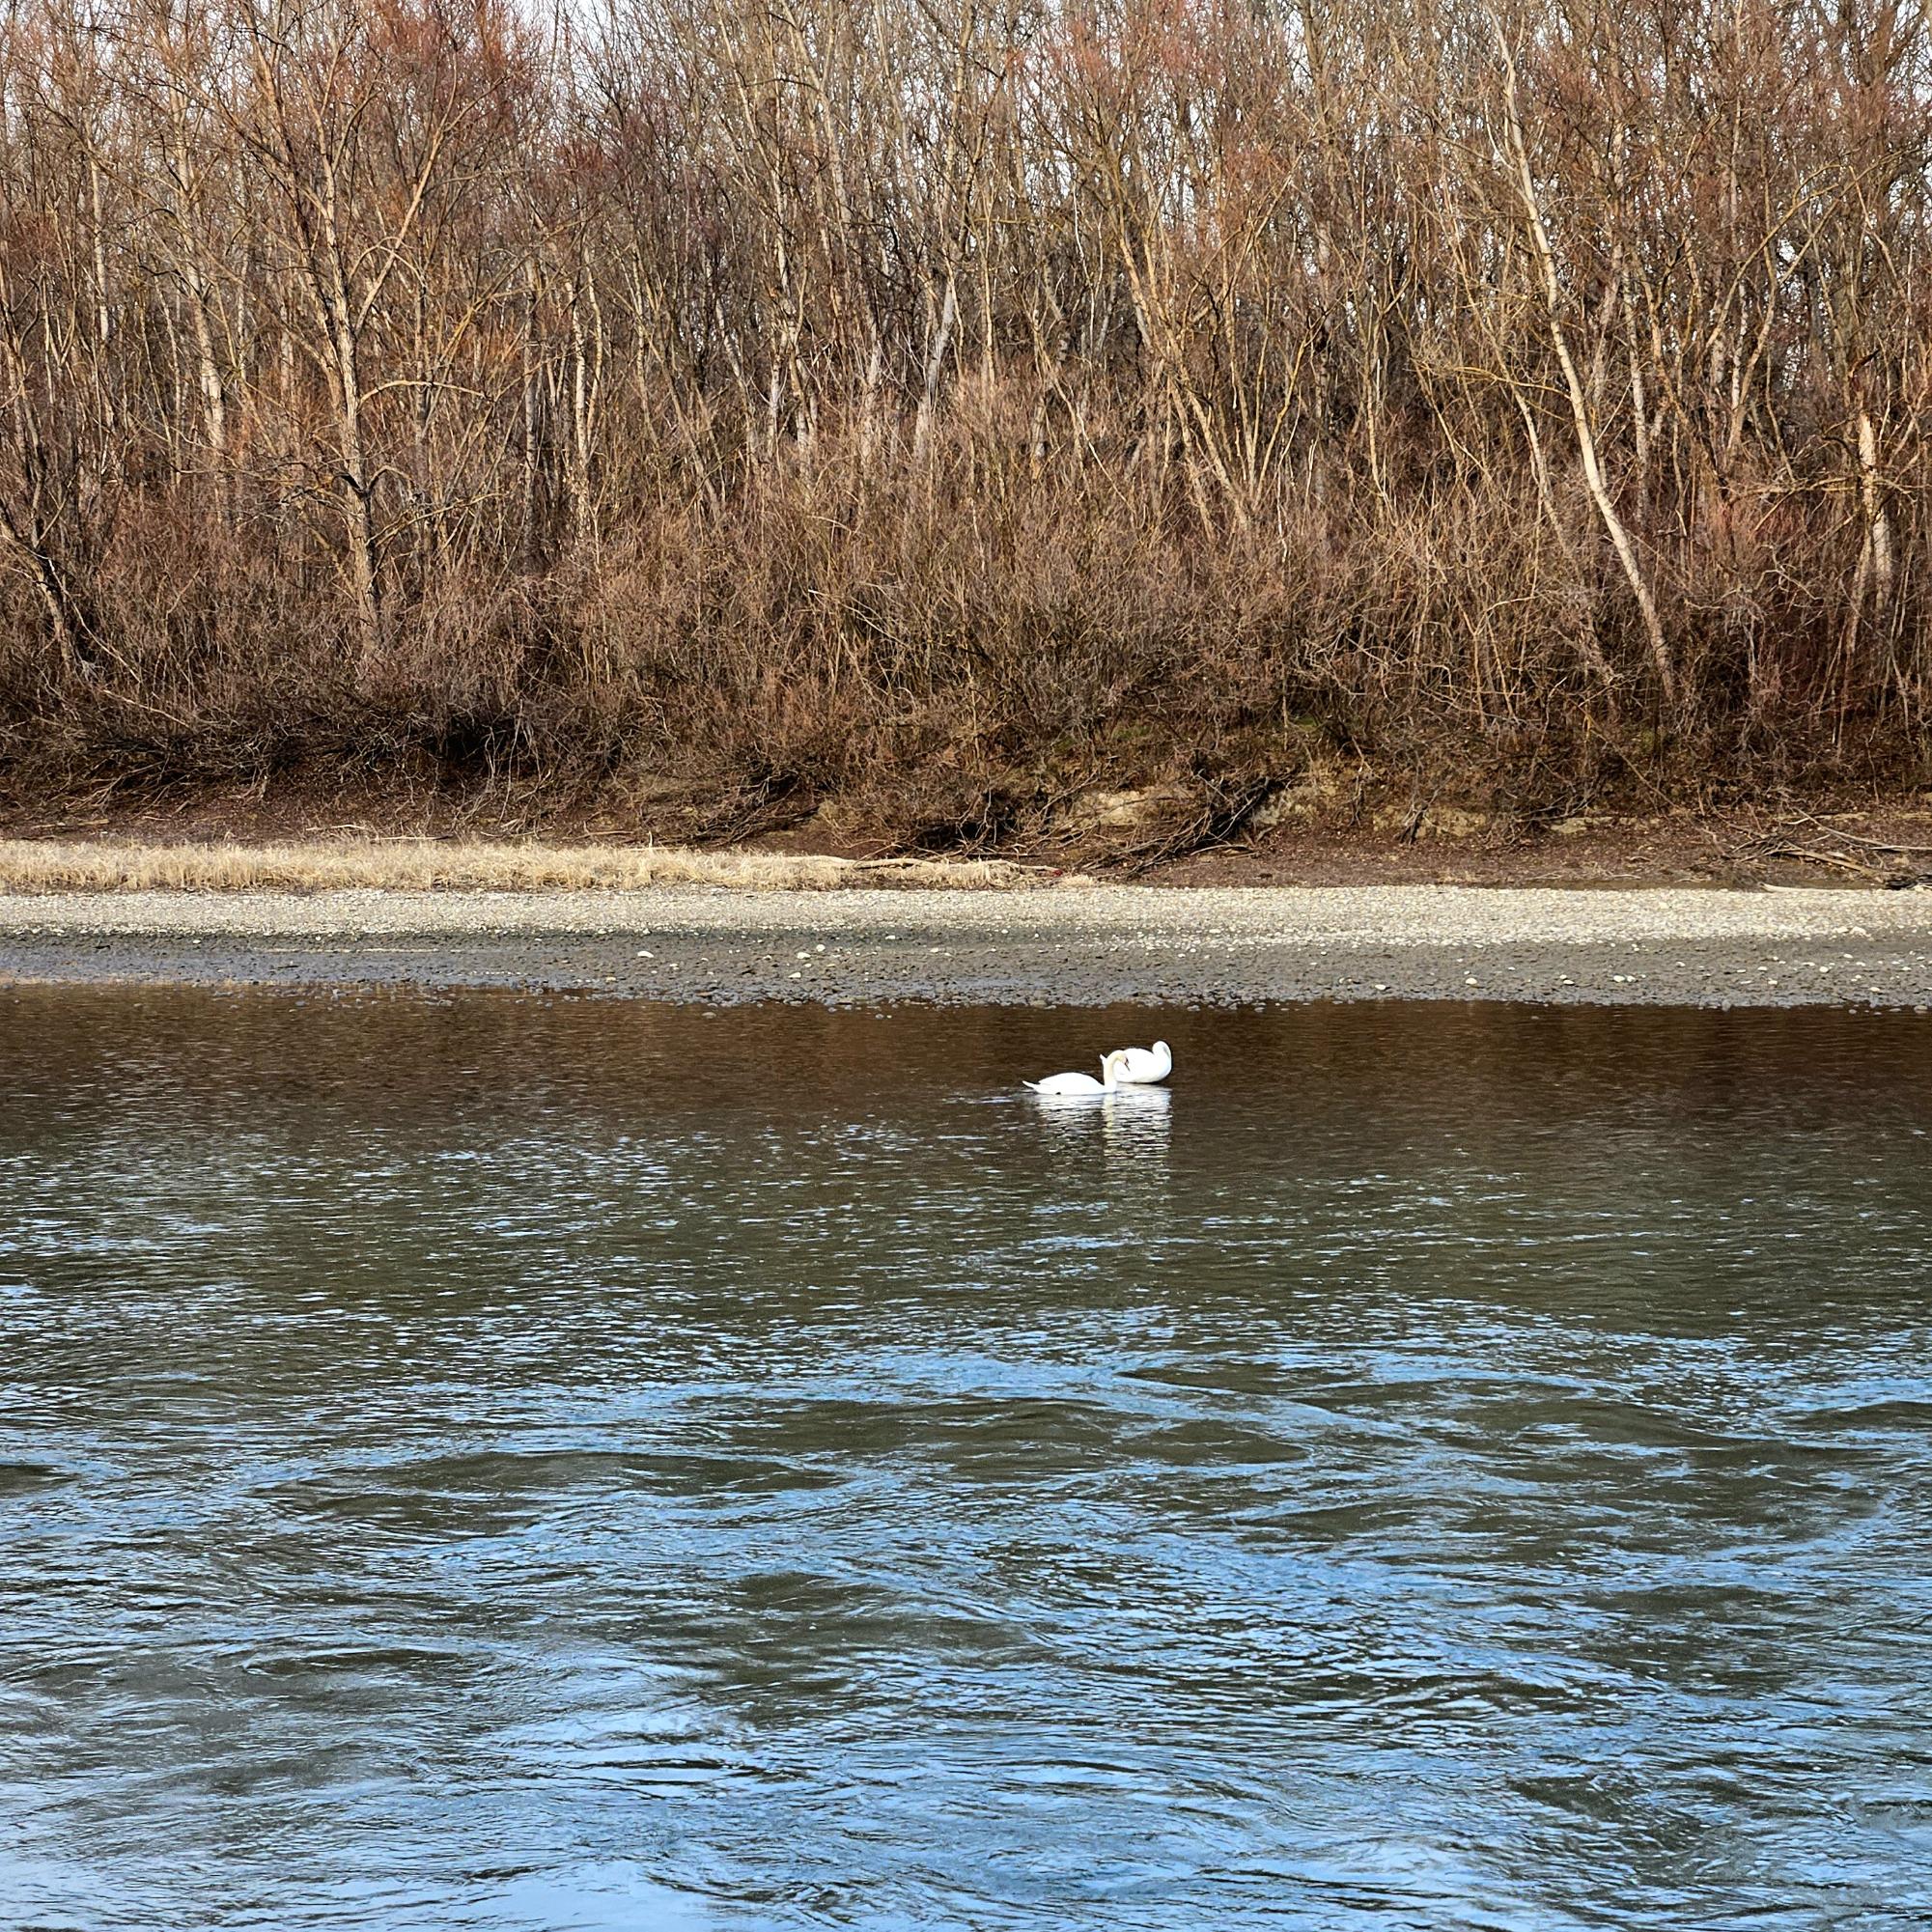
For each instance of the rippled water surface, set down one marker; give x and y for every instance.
(496, 1463)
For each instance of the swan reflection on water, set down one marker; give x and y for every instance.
(1128, 1103)
(1132, 1123)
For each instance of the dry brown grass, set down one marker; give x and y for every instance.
(33, 865)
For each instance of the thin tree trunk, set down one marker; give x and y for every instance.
(1587, 441)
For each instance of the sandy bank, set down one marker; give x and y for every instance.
(1077, 945)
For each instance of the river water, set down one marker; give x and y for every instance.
(500, 1463)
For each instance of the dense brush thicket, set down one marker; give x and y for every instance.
(942, 402)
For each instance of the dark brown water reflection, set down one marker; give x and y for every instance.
(496, 1463)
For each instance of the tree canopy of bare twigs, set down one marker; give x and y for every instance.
(830, 389)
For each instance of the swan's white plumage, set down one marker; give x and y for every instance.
(1070, 1083)
(1144, 1066)
(1081, 1084)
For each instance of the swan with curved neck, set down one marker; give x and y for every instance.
(1144, 1066)
(1082, 1083)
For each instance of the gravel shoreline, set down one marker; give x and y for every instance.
(1088, 945)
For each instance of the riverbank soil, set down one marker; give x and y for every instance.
(1151, 837)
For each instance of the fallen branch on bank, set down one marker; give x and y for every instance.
(1813, 840)
(1222, 817)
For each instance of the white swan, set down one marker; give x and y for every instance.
(1144, 1066)
(1081, 1084)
